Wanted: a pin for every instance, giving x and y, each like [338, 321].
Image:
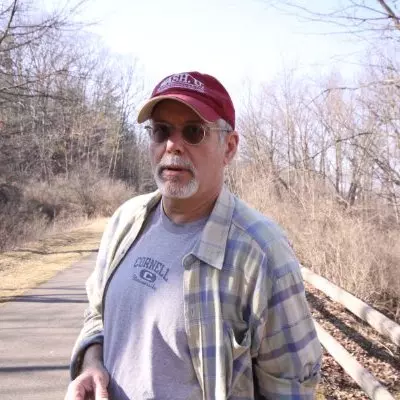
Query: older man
[195, 295]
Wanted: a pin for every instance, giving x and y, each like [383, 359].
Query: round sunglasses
[193, 133]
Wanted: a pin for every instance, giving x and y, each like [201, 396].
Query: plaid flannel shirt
[249, 328]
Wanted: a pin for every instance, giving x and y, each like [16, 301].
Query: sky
[237, 41]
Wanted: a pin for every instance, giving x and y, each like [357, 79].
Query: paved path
[37, 332]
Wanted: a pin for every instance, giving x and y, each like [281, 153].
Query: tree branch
[390, 13]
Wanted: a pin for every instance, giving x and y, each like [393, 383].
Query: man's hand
[90, 385]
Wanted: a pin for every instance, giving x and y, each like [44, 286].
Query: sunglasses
[192, 133]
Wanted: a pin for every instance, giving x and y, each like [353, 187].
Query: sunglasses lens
[193, 133]
[160, 132]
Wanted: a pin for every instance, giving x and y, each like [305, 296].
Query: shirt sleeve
[288, 362]
[92, 330]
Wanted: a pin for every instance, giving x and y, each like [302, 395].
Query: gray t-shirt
[145, 344]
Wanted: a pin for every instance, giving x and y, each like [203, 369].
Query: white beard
[176, 189]
[173, 187]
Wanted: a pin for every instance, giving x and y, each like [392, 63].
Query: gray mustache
[175, 162]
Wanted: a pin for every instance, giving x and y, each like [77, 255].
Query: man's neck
[187, 210]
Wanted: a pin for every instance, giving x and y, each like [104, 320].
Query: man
[194, 295]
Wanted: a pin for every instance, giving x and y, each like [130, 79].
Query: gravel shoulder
[34, 263]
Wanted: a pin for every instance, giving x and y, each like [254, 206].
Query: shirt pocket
[240, 341]
[238, 361]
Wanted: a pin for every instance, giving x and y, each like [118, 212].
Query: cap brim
[204, 111]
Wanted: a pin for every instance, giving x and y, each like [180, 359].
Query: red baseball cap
[204, 94]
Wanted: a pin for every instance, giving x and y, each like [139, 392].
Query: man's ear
[231, 146]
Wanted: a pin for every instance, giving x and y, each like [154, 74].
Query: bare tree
[66, 104]
[378, 19]
[22, 28]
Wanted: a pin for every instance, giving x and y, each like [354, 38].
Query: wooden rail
[368, 383]
[378, 321]
[365, 380]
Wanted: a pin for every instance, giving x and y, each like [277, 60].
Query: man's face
[182, 170]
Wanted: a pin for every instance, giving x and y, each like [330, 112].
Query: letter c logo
[147, 276]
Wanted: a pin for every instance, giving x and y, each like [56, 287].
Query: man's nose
[175, 142]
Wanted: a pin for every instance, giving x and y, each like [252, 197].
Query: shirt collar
[212, 244]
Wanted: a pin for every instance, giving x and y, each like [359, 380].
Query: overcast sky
[234, 40]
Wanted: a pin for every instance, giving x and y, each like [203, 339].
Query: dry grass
[359, 255]
[40, 206]
[33, 263]
[80, 194]
[38, 225]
